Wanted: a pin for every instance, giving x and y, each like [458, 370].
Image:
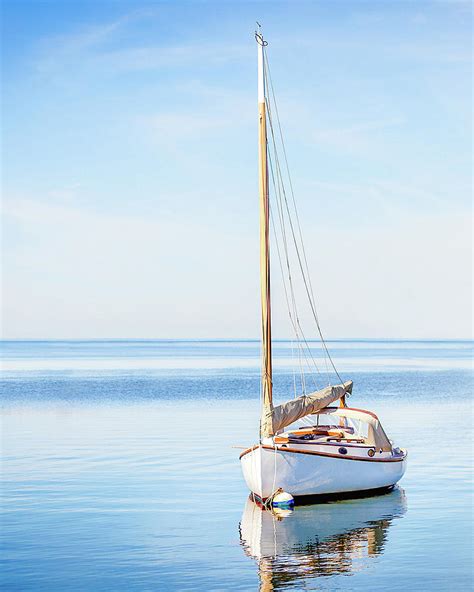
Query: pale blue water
[119, 473]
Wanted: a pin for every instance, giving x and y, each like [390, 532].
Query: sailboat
[314, 444]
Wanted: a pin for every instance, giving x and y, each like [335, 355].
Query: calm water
[119, 471]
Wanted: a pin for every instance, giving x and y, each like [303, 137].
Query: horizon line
[227, 339]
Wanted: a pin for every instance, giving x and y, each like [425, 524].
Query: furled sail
[283, 415]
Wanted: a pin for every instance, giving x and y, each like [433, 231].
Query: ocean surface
[120, 470]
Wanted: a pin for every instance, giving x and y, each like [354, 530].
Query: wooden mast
[264, 234]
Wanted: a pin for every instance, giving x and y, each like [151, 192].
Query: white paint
[261, 82]
[304, 474]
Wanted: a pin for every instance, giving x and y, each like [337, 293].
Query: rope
[294, 320]
[302, 260]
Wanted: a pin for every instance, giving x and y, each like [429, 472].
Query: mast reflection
[317, 540]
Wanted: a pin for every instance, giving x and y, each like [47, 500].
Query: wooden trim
[249, 450]
[327, 454]
[315, 443]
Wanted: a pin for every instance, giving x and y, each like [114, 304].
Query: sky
[129, 159]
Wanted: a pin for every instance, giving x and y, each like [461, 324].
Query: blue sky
[129, 166]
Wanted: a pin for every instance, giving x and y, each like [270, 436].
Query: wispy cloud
[52, 51]
[386, 42]
[209, 111]
[173, 126]
[355, 137]
[152, 58]
[103, 48]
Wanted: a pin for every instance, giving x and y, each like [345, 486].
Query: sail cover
[283, 415]
[376, 434]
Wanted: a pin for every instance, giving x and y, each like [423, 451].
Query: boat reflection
[317, 540]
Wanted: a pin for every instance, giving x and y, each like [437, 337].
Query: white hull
[308, 473]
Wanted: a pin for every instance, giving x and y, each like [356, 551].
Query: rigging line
[288, 266]
[288, 173]
[298, 324]
[293, 298]
[293, 368]
[283, 277]
[295, 328]
[288, 169]
[278, 191]
[307, 282]
[310, 297]
[282, 223]
[277, 187]
[313, 304]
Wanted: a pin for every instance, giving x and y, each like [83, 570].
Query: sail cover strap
[283, 415]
